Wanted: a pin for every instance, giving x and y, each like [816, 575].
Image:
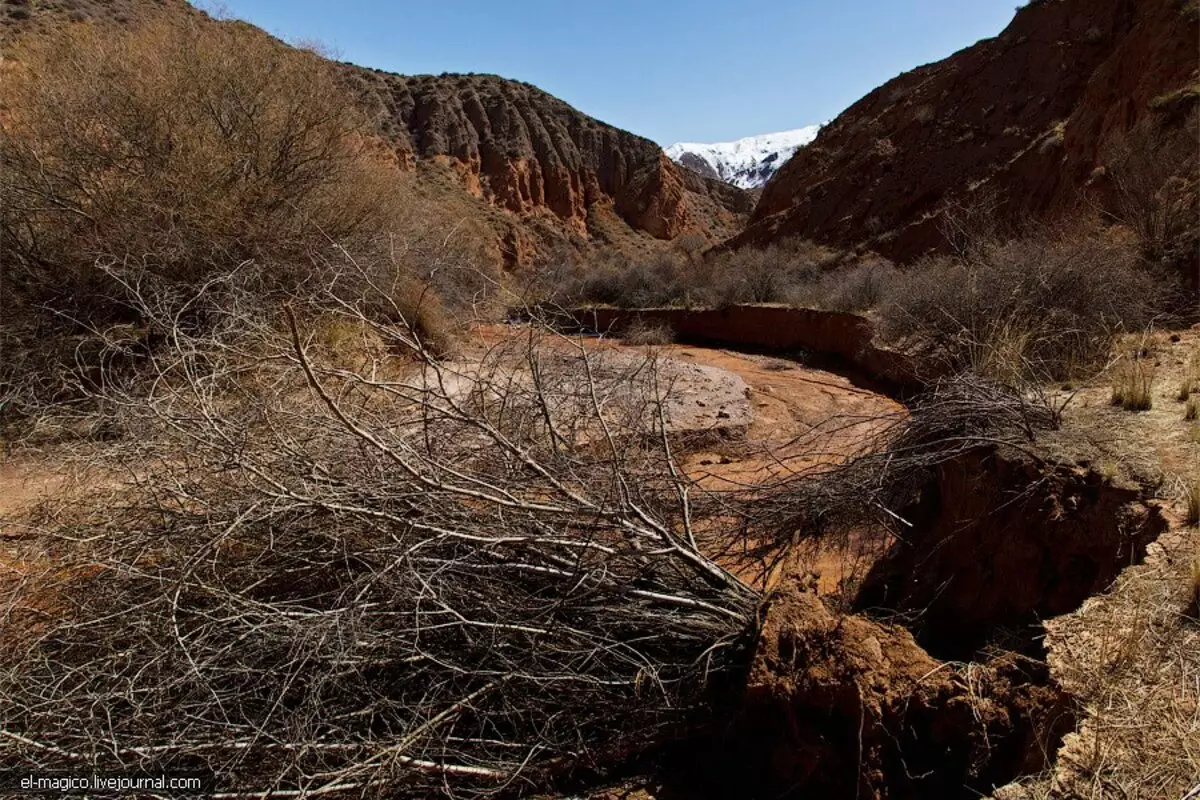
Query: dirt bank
[1001, 541]
[842, 706]
[846, 340]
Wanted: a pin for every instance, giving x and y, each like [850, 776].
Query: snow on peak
[749, 162]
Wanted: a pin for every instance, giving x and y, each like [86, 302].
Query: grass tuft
[1133, 382]
[1193, 593]
[1190, 384]
[641, 332]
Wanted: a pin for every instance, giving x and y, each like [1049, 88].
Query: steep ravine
[1002, 541]
[938, 686]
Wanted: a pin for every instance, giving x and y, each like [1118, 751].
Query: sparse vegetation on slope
[1031, 115]
[795, 273]
[1045, 307]
[173, 151]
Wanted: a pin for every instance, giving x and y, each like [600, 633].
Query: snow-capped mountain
[748, 163]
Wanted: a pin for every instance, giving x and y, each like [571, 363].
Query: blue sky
[702, 70]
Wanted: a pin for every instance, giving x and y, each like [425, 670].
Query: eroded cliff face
[1020, 122]
[527, 152]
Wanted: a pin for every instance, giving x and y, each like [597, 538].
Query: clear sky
[670, 70]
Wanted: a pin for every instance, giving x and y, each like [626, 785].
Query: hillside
[1021, 122]
[537, 171]
[534, 156]
[748, 162]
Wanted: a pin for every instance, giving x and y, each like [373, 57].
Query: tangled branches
[343, 566]
[863, 494]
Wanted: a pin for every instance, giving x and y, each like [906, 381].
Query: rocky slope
[747, 163]
[1021, 121]
[530, 154]
[536, 170]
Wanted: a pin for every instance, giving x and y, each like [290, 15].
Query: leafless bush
[255, 152]
[343, 566]
[859, 287]
[641, 332]
[856, 499]
[684, 278]
[183, 148]
[691, 245]
[1042, 307]
[1153, 169]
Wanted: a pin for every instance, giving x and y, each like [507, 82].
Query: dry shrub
[858, 287]
[1191, 410]
[1043, 307]
[848, 504]
[406, 577]
[174, 151]
[1190, 383]
[650, 281]
[1133, 383]
[682, 277]
[188, 147]
[643, 332]
[1192, 502]
[1153, 169]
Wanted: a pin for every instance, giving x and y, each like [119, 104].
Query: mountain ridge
[1021, 121]
[749, 162]
[524, 151]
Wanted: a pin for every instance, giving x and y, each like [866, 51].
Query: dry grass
[1191, 411]
[1133, 660]
[1192, 502]
[1046, 307]
[1133, 383]
[1131, 656]
[1189, 384]
[641, 332]
[1194, 587]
